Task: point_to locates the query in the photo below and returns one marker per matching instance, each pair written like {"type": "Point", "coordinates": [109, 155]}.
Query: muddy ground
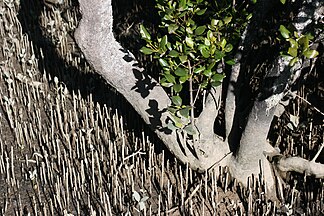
{"type": "Point", "coordinates": [70, 145]}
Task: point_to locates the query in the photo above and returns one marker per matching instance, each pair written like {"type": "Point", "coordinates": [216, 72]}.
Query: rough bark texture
{"type": "Point", "coordinates": [95, 37]}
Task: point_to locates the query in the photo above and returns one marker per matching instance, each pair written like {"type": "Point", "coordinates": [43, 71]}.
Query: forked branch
{"type": "Point", "coordinates": [95, 38]}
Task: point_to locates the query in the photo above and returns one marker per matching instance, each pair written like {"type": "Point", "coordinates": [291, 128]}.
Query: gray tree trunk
{"type": "Point", "coordinates": [95, 37]}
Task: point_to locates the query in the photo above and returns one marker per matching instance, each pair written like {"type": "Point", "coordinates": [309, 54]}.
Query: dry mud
{"type": "Point", "coordinates": [70, 145]}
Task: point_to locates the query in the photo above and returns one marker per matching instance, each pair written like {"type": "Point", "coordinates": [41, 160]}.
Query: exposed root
{"type": "Point", "coordinates": [299, 165]}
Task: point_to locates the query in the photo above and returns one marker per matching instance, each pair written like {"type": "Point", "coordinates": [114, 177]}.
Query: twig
{"type": "Point", "coordinates": [191, 95]}
{"type": "Point", "coordinates": [135, 153]}
{"type": "Point", "coordinates": [130, 156]}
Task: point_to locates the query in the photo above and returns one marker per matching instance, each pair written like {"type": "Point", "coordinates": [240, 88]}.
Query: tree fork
{"type": "Point", "coordinates": [95, 38]}
{"type": "Point", "coordinates": [104, 53]}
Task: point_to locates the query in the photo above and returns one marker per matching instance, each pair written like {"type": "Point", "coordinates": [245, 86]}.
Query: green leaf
{"type": "Point", "coordinates": [183, 14]}
{"type": "Point", "coordinates": [183, 79]}
{"type": "Point", "coordinates": [173, 53]}
{"type": "Point", "coordinates": [163, 62]}
{"type": "Point", "coordinates": [200, 30]}
{"type": "Point", "coordinates": [199, 70]}
{"type": "Point", "coordinates": [205, 52]}
{"type": "Point", "coordinates": [220, 23]}
{"type": "Point", "coordinates": [172, 109]}
{"type": "Point", "coordinates": [165, 83]}
{"type": "Point", "coordinates": [248, 17]}
{"type": "Point", "coordinates": [228, 48]}
{"type": "Point", "coordinates": [207, 73]}
{"type": "Point", "coordinates": [223, 43]}
{"type": "Point", "coordinates": [230, 62]}
{"type": "Point", "coordinates": [210, 34]}
{"type": "Point", "coordinates": [190, 130]}
{"type": "Point", "coordinates": [200, 12]}
{"type": "Point", "coordinates": [192, 55]}
{"type": "Point", "coordinates": [219, 55]}
{"type": "Point", "coordinates": [191, 22]}
{"type": "Point", "coordinates": [207, 42]}
{"type": "Point", "coordinates": [164, 41]}
{"type": "Point", "coordinates": [214, 22]}
{"type": "Point", "coordinates": [201, 46]}
{"type": "Point", "coordinates": [189, 42]}
{"type": "Point", "coordinates": [144, 33]}
{"type": "Point", "coordinates": [211, 65]}
{"type": "Point", "coordinates": [309, 36]}
{"type": "Point", "coordinates": [304, 42]}
{"type": "Point", "coordinates": [189, 30]}
{"type": "Point", "coordinates": [293, 43]}
{"type": "Point", "coordinates": [170, 78]}
{"type": "Point", "coordinates": [293, 51]}
{"type": "Point", "coordinates": [169, 45]}
{"type": "Point", "coordinates": [180, 71]}
{"type": "Point", "coordinates": [204, 84]}
{"type": "Point", "coordinates": [172, 28]}
{"type": "Point", "coordinates": [184, 112]}
{"type": "Point", "coordinates": [183, 58]}
{"type": "Point", "coordinates": [218, 77]}
{"type": "Point", "coordinates": [177, 88]}
{"type": "Point", "coordinates": [283, 1]}
{"type": "Point", "coordinates": [212, 49]}
{"type": "Point", "coordinates": [227, 19]}
{"type": "Point", "coordinates": [146, 51]}
{"type": "Point", "coordinates": [178, 123]}
{"type": "Point", "coordinates": [284, 32]}
{"type": "Point", "coordinates": [171, 126]}
{"type": "Point", "coordinates": [216, 83]}
{"type": "Point", "coordinates": [310, 53]}
{"type": "Point", "coordinates": [176, 100]}
{"type": "Point", "coordinates": [293, 61]}
{"type": "Point", "coordinates": [182, 5]}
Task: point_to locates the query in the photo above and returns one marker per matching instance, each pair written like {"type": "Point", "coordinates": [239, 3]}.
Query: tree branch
{"type": "Point", "coordinates": [230, 104]}
{"type": "Point", "coordinates": [95, 38]}
{"type": "Point", "coordinates": [253, 142]}
{"type": "Point", "coordinates": [205, 121]}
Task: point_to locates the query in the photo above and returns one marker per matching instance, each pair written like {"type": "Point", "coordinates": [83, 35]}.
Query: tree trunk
{"type": "Point", "coordinates": [95, 38]}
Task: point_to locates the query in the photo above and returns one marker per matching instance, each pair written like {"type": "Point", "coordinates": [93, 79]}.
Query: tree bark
{"type": "Point", "coordinates": [95, 38]}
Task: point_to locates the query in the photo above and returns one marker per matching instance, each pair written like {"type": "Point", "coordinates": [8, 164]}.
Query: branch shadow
{"type": "Point", "coordinates": [75, 79]}
{"type": "Point", "coordinates": [143, 84]}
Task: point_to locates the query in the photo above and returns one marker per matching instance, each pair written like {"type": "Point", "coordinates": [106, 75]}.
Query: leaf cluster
{"type": "Point", "coordinates": [299, 45]}
{"type": "Point", "coordinates": [196, 42]}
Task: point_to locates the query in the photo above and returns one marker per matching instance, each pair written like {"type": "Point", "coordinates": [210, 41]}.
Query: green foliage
{"type": "Point", "coordinates": [196, 39]}
{"type": "Point", "coordinates": [299, 45]}
{"type": "Point", "coordinates": [283, 1]}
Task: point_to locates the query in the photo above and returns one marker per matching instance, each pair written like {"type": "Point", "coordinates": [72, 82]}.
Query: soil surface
{"type": "Point", "coordinates": [71, 145]}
